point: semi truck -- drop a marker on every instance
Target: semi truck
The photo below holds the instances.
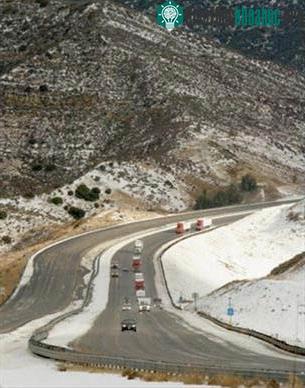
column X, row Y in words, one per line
column 138, row 246
column 203, row 223
column 182, row 227
column 144, row 304
column 136, row 263
column 139, row 281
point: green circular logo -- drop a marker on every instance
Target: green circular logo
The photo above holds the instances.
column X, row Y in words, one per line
column 169, row 15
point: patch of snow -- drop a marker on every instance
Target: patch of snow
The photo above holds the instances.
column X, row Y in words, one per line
column 246, row 249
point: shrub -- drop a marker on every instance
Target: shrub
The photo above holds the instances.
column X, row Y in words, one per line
column 43, row 88
column 83, row 192
column 29, row 195
column 57, row 200
column 108, row 191
column 6, row 239
column 50, row 167
column 37, row 167
column 76, row 212
column 248, row 183
column 42, row 3
column 3, row 214
column 224, row 197
column 95, row 190
column 70, row 192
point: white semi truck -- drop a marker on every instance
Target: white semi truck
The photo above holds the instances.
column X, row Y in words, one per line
column 138, row 246
column 144, row 304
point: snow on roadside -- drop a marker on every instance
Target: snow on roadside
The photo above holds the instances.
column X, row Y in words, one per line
column 74, row 327
column 20, row 369
column 272, row 305
column 246, row 249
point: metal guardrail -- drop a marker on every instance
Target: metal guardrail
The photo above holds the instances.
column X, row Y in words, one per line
column 58, row 353
column 63, row 354
column 253, row 333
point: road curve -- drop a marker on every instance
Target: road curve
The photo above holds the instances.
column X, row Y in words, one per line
column 162, row 335
column 58, row 276
column 57, row 280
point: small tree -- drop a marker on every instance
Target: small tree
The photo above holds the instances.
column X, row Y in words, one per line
column 3, row 214
column 248, row 183
column 76, row 212
column 6, row 239
column 57, row 201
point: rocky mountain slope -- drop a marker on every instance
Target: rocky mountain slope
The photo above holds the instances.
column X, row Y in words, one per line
column 284, row 44
column 84, row 82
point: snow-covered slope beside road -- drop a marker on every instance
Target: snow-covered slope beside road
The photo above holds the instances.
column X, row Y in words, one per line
column 247, row 249
column 274, row 305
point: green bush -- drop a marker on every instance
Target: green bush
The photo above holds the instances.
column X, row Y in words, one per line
column 76, row 212
column 70, row 192
column 224, row 197
column 3, row 214
column 50, row 167
column 42, row 3
column 83, row 192
column 6, row 239
column 37, row 167
column 95, row 190
column 248, row 183
column 108, row 191
column 57, row 200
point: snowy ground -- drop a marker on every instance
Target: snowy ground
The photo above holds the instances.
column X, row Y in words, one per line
column 19, row 368
column 248, row 249
column 146, row 184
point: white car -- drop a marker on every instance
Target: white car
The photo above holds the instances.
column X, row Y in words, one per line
column 126, row 307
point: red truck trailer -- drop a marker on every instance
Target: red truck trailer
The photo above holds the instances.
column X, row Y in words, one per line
column 182, row 227
column 200, row 224
column 139, row 284
column 136, row 263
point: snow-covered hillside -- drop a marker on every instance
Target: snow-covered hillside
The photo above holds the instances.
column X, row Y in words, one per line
column 247, row 249
column 274, row 305
column 140, row 185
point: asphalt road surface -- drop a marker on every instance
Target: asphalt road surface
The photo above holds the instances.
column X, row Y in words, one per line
column 161, row 335
column 57, row 280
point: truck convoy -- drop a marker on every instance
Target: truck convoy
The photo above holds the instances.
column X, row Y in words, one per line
column 200, row 224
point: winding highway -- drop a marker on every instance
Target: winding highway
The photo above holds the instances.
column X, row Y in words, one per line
column 162, row 335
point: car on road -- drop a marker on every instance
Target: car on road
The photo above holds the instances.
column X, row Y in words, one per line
column 125, row 269
column 129, row 324
column 115, row 266
column 114, row 274
column 126, row 306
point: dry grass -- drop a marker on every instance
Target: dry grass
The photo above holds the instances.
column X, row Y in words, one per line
column 13, row 263
column 222, row 380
